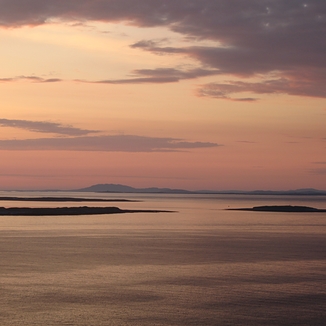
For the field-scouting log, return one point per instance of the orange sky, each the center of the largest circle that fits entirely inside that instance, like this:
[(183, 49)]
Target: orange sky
[(196, 94)]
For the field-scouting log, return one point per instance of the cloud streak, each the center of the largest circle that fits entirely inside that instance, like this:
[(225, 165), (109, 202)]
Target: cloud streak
[(253, 37), (137, 76), (158, 76), (109, 143), (33, 79), (45, 127), (320, 171)]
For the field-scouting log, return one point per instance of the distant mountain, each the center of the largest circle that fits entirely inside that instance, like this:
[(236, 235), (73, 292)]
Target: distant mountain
[(118, 188), (108, 188)]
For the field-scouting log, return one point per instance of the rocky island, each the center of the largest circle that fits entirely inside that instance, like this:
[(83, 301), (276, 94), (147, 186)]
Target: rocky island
[(284, 209), (58, 211)]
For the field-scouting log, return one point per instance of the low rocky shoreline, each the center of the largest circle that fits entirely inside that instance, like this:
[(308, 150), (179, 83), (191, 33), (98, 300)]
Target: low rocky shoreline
[(64, 199)]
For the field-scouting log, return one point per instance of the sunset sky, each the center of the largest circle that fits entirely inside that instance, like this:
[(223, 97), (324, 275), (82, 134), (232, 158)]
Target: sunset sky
[(193, 94)]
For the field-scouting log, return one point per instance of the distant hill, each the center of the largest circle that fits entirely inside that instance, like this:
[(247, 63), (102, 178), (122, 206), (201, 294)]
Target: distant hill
[(118, 188)]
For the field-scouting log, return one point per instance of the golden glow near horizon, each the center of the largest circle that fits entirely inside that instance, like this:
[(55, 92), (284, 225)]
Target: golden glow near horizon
[(121, 97)]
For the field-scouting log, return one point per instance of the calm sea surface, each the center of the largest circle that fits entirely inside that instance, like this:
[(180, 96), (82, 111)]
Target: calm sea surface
[(201, 265)]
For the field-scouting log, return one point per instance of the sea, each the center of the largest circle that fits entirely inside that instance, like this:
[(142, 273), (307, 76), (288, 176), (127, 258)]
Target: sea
[(199, 264)]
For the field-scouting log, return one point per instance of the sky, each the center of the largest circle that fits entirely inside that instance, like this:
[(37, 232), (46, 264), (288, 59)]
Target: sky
[(192, 94)]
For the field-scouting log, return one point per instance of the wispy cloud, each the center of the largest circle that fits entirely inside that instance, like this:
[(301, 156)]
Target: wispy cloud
[(246, 142), (139, 80), (33, 79), (321, 171), (110, 143), (45, 127), (137, 76), (158, 76), (318, 168)]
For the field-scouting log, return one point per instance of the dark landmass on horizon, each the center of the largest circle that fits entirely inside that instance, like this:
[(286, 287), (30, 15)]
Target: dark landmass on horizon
[(65, 199), (118, 188), (58, 211), (283, 209)]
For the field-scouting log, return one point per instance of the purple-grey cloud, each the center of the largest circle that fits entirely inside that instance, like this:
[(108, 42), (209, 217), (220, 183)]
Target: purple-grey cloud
[(284, 37), (290, 78), (291, 86), (45, 127), (110, 143)]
